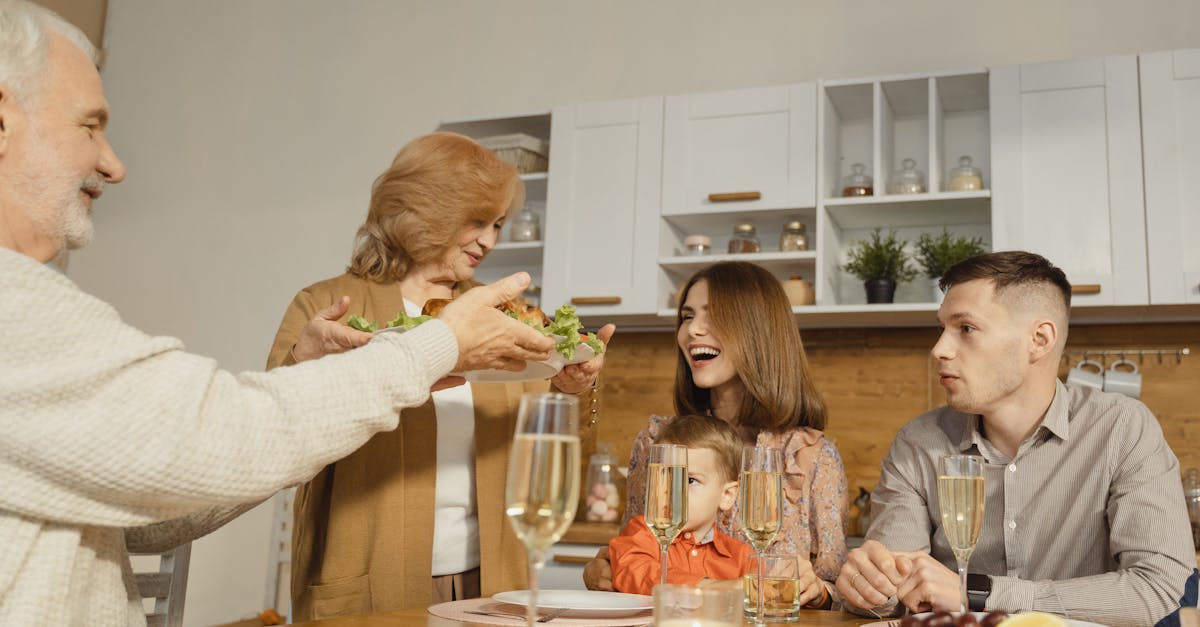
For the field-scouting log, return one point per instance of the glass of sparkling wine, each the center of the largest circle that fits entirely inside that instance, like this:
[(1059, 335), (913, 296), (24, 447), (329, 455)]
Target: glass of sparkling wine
[(542, 491), (961, 498), (666, 496), (760, 505)]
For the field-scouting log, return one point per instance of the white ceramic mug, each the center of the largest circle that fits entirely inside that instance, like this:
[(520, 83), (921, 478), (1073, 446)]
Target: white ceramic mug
[(1123, 377), (1083, 375)]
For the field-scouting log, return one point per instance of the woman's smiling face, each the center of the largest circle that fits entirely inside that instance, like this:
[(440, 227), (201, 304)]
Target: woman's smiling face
[(474, 242), (700, 344)]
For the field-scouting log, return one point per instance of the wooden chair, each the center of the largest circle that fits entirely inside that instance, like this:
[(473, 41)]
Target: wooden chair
[(279, 556), (167, 586)]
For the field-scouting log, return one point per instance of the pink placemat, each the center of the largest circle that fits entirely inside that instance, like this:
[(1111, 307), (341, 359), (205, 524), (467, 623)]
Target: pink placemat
[(456, 610)]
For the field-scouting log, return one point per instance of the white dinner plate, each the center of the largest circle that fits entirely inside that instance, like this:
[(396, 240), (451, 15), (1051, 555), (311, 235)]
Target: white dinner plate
[(534, 370), (583, 352), (582, 603), (978, 615)]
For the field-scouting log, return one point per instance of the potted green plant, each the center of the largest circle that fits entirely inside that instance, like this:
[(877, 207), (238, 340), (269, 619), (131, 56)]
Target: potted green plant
[(936, 254), (880, 262)]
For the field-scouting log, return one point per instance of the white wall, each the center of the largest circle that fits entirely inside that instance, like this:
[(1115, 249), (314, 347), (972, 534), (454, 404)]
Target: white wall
[(253, 129)]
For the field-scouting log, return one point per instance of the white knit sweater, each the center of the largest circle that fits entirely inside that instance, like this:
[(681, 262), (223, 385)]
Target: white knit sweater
[(105, 429)]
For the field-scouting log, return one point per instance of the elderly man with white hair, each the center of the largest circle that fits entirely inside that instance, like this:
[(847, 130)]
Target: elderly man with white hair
[(113, 439)]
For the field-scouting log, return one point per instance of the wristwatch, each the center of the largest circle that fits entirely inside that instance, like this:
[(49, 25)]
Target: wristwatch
[(979, 588)]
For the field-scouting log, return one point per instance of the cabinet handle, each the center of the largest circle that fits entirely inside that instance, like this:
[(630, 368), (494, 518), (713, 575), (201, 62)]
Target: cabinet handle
[(572, 559), (595, 300), (732, 196), (1090, 288)]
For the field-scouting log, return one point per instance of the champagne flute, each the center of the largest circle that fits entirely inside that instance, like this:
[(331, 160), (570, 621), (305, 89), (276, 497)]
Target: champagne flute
[(542, 491), (666, 496), (961, 499), (760, 505)]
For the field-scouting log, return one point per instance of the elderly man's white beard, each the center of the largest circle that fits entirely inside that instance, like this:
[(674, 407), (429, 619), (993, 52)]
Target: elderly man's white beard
[(59, 211)]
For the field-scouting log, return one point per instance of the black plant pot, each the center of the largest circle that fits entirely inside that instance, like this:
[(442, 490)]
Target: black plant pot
[(880, 290)]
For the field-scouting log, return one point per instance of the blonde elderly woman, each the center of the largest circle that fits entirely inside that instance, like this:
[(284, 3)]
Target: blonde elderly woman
[(417, 515)]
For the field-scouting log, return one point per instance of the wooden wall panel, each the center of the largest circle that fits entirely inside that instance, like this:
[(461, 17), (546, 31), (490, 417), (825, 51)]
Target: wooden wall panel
[(875, 380)]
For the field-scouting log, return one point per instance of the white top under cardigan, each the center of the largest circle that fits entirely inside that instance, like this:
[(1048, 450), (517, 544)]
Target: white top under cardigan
[(455, 515), (110, 438)]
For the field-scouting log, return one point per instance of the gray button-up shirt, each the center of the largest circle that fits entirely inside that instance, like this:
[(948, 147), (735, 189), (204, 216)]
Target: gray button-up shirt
[(1087, 520)]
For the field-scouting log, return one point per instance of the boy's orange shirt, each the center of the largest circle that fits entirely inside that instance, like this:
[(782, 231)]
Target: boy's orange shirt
[(636, 559)]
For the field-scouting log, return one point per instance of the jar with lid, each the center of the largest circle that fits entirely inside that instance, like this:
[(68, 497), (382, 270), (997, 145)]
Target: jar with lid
[(697, 245), (603, 500), (525, 227), (858, 183), (965, 177), (908, 179), (799, 292), (794, 237), (744, 240)]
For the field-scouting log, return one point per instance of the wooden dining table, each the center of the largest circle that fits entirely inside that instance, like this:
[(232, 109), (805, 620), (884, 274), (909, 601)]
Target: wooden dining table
[(422, 618)]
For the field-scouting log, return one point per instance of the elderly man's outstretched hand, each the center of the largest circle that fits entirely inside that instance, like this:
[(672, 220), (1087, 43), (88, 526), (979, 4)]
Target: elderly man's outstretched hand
[(489, 339)]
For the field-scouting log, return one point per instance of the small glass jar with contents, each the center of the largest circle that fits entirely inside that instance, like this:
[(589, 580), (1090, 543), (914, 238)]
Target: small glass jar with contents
[(744, 240), (858, 183), (908, 179), (697, 245), (965, 177), (525, 227), (794, 237), (602, 502)]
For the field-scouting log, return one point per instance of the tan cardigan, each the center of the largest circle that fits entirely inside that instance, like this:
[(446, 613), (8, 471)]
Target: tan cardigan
[(363, 532)]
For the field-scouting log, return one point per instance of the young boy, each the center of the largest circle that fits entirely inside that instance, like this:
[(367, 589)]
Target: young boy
[(701, 551)]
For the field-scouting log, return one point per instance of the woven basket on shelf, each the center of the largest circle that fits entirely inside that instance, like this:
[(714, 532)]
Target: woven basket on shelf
[(525, 152)]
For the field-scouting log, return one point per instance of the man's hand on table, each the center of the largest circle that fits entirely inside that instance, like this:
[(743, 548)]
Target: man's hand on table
[(871, 576), (929, 585)]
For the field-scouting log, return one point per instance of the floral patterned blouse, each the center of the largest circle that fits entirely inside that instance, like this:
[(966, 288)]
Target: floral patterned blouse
[(815, 506)]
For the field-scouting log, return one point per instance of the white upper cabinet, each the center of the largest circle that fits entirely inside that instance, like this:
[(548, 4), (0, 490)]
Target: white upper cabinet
[(1170, 84), (1067, 173), (738, 150), (603, 207)]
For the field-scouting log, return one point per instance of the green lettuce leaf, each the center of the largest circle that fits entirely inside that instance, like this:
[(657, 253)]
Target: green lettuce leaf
[(360, 323), (406, 321)]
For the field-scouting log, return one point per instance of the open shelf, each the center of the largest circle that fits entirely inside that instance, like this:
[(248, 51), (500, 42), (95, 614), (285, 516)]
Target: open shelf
[(862, 212), (526, 254), (535, 186), (775, 262)]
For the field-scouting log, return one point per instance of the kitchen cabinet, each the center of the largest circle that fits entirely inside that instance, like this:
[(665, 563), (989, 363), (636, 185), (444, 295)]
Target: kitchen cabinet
[(1170, 90), (602, 231), (737, 157), (509, 256), (742, 150), (874, 125), (1067, 172), (1061, 149)]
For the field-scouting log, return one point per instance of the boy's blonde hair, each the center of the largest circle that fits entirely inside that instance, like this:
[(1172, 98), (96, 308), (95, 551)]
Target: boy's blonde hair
[(710, 433)]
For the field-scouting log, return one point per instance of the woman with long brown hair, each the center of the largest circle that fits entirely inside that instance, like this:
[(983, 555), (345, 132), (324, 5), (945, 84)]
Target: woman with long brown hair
[(741, 361)]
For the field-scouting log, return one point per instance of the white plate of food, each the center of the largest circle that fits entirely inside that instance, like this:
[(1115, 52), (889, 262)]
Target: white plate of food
[(582, 603), (534, 370)]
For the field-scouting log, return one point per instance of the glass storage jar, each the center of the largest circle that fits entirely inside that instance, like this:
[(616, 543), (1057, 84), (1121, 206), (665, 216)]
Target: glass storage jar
[(858, 183), (744, 240), (525, 227), (799, 291), (965, 177), (794, 237), (697, 245), (603, 500), (908, 179)]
